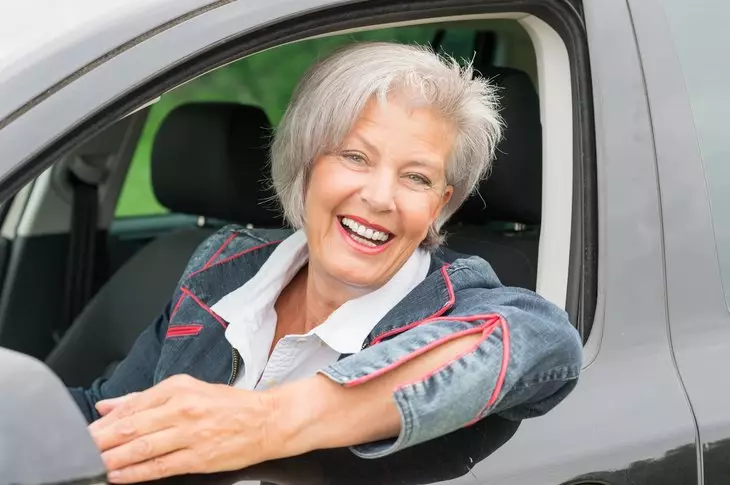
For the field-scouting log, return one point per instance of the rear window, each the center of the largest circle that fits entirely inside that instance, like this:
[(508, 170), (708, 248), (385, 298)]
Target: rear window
[(701, 38)]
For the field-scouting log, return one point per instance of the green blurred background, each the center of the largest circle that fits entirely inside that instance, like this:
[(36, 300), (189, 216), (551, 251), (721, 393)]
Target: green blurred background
[(265, 79)]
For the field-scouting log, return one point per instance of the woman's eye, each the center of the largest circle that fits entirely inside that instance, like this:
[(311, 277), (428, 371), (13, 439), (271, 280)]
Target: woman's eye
[(419, 179), (355, 157)]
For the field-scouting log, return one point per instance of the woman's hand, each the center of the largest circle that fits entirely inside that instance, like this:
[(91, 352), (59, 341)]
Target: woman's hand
[(181, 426), (184, 425)]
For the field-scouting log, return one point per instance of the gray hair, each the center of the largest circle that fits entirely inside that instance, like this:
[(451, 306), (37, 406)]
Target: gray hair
[(330, 97)]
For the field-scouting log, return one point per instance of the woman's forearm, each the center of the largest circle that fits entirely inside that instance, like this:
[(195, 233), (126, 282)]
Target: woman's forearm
[(317, 413)]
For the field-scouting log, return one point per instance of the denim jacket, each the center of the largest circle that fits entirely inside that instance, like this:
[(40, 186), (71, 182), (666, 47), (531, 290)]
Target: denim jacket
[(526, 361)]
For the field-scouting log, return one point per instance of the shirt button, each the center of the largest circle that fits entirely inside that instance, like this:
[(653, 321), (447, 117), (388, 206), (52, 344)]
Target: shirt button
[(270, 382)]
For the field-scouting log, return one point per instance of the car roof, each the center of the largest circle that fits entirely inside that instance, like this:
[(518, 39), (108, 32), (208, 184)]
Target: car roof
[(36, 24), (44, 41)]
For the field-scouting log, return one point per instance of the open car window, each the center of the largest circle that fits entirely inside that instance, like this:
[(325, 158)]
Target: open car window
[(529, 246)]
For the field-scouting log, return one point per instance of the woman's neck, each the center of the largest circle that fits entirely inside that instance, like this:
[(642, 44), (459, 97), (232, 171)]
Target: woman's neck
[(324, 295), (310, 298), (307, 301)]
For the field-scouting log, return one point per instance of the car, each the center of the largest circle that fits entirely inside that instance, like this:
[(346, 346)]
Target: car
[(130, 131)]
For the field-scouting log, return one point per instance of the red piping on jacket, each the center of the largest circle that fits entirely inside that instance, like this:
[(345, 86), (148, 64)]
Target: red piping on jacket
[(430, 318), (230, 258), (177, 305), (183, 330), (220, 250), (502, 371), (204, 306), (491, 321)]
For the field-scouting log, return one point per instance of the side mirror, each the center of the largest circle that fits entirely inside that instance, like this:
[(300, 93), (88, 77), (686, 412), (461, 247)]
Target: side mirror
[(43, 436)]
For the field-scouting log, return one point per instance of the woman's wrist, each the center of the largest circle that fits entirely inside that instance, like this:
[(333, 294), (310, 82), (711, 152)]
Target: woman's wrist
[(296, 414), (317, 413)]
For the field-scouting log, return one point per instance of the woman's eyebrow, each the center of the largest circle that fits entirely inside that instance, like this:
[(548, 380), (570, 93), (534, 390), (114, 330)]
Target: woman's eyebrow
[(426, 163)]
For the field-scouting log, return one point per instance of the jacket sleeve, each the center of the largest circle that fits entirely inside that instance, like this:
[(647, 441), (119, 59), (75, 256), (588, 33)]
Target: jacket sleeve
[(527, 360), (135, 373)]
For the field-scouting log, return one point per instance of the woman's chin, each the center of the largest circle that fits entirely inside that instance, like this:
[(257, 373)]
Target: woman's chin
[(357, 280), (356, 275), (353, 267)]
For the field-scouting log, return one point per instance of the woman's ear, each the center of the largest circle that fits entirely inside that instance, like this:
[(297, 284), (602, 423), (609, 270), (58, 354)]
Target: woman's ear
[(445, 198), (447, 195)]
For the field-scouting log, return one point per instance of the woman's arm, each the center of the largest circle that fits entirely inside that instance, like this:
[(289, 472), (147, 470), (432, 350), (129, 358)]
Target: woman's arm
[(333, 415), (524, 358), (187, 426), (418, 391), (501, 350)]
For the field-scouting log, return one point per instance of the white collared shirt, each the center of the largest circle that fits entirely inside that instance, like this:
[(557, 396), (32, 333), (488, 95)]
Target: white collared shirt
[(250, 312)]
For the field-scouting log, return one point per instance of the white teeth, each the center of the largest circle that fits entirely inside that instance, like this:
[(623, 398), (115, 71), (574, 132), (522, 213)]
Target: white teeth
[(364, 231), (364, 241), (350, 223)]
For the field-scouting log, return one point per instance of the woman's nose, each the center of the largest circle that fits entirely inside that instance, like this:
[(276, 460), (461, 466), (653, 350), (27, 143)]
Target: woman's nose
[(378, 192)]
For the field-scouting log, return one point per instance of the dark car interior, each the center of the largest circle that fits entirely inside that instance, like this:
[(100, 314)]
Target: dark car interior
[(208, 162)]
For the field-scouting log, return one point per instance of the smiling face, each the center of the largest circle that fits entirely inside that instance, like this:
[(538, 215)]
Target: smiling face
[(370, 203)]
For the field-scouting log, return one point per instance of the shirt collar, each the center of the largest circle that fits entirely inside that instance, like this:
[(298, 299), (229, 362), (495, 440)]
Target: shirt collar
[(251, 306), (247, 302), (347, 327)]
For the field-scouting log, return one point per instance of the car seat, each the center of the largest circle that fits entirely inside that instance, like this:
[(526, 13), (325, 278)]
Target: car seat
[(208, 159), (501, 222)]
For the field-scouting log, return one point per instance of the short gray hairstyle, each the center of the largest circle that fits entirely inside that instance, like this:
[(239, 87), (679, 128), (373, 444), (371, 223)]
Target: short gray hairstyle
[(330, 97)]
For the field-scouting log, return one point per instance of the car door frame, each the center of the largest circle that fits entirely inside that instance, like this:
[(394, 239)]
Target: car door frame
[(699, 319)]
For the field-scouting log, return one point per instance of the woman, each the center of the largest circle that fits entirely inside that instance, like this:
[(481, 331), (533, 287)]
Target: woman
[(355, 330)]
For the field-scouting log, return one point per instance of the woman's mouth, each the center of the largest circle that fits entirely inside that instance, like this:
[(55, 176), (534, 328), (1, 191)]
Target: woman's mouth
[(364, 235)]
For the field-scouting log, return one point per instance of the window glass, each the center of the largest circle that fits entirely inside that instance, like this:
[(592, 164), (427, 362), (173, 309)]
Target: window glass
[(265, 79), (701, 38)]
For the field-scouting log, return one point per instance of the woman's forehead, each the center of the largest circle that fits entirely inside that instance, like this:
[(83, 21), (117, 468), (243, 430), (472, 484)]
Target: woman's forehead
[(395, 124)]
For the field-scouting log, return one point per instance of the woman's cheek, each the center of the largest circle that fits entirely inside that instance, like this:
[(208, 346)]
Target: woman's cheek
[(418, 213)]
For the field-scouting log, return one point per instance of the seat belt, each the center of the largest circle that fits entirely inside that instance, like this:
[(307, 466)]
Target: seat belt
[(84, 178)]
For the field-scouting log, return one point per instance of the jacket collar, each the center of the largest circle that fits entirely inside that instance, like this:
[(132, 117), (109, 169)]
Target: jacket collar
[(213, 282), (344, 330), (434, 296)]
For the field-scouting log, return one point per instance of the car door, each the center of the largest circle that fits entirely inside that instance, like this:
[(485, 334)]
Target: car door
[(684, 52), (628, 421), (629, 418)]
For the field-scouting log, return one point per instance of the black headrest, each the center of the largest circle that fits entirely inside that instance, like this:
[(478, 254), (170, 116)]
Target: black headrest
[(209, 159), (513, 190)]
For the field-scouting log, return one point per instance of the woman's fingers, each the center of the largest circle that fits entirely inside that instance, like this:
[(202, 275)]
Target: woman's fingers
[(129, 405), (106, 406), (128, 428), (144, 448), (218, 427), (175, 463)]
